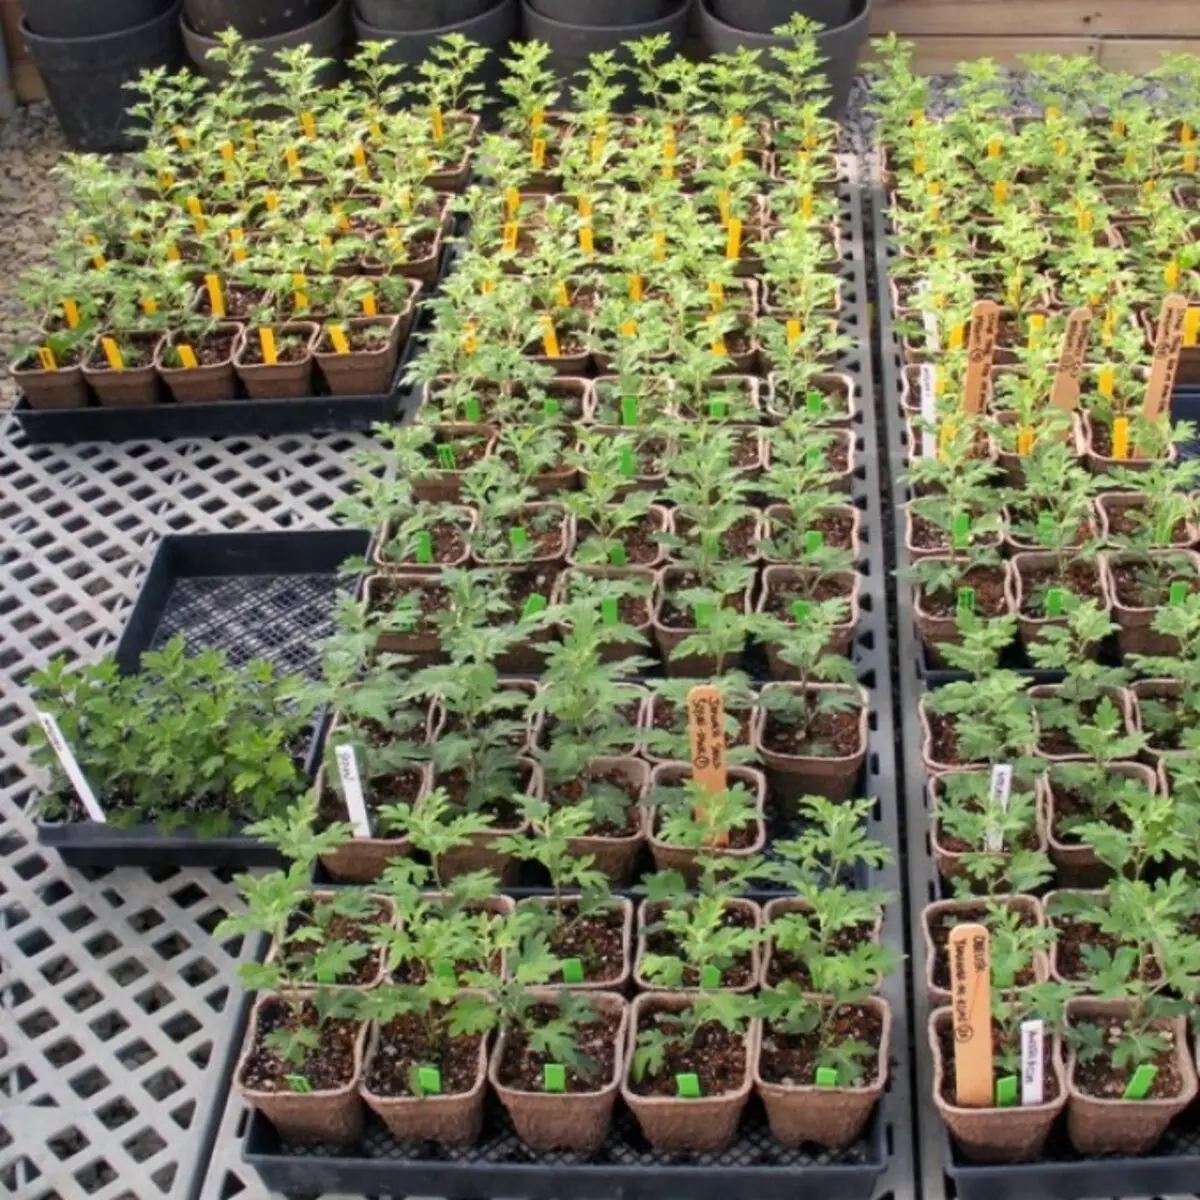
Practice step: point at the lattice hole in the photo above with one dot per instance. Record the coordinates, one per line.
(67, 1144)
(64, 1052)
(17, 1176)
(84, 997)
(108, 1025)
(163, 1083)
(154, 998)
(37, 1023)
(90, 1082)
(116, 1113)
(144, 1144)
(95, 1176)
(181, 1027)
(136, 1054)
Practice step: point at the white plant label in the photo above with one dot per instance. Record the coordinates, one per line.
(928, 411)
(352, 789)
(1033, 1034)
(66, 756)
(1001, 792)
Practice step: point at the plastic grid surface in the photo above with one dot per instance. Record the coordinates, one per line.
(118, 1005)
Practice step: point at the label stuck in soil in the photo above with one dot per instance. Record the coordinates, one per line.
(971, 1005)
(1006, 1091)
(1054, 602)
(706, 742)
(966, 600)
(1033, 1036)
(1168, 343)
(929, 411)
(352, 790)
(710, 976)
(687, 1086)
(430, 1081)
(608, 610)
(1000, 792)
(825, 1077)
(1139, 1086)
(981, 349)
(1177, 593)
(572, 970)
(66, 757)
(554, 1077)
(1065, 392)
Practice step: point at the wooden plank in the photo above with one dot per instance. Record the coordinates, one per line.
(1139, 55)
(938, 55)
(27, 83)
(10, 14)
(1081, 18)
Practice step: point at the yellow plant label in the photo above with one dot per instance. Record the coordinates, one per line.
(716, 295)
(271, 200)
(1084, 220)
(628, 328)
(299, 296)
(292, 159)
(1171, 274)
(733, 239)
(511, 233)
(1060, 147)
(561, 296)
(337, 335)
(166, 180)
(550, 337)
(187, 356)
(1187, 136)
(538, 153)
(971, 1005)
(1024, 440)
(1105, 381)
(1037, 323)
(946, 435)
(112, 352)
(723, 205)
(587, 240)
(585, 207)
(172, 252)
(437, 123)
(487, 287)
(660, 245)
(668, 153)
(182, 140)
(227, 151)
(270, 353)
(806, 204)
(71, 313)
(1052, 113)
(1000, 191)
(149, 305)
(537, 119)
(1118, 127)
(635, 288)
(512, 201)
(369, 306)
(343, 222)
(918, 165)
(1191, 328)
(596, 147)
(793, 331)
(309, 124)
(216, 297)
(939, 382)
(377, 131)
(718, 348)
(1120, 438)
(956, 337)
(470, 342)
(360, 160)
(706, 743)
(993, 146)
(46, 359)
(917, 117)
(933, 189)
(1189, 163)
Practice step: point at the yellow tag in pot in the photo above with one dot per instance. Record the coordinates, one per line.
(216, 297)
(308, 124)
(587, 240)
(337, 335)
(369, 307)
(538, 153)
(561, 296)
(266, 339)
(149, 305)
(46, 358)
(1120, 438)
(549, 337)
(113, 354)
(71, 312)
(733, 242)
(511, 233)
(512, 201)
(187, 356)
(438, 123)
(793, 331)
(635, 288)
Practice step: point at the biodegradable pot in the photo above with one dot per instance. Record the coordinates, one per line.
(661, 519)
(212, 381)
(1049, 903)
(1101, 464)
(382, 539)
(85, 74)
(133, 387)
(1075, 863)
(1109, 505)
(616, 857)
(620, 981)
(667, 637)
(575, 1121)
(454, 177)
(841, 634)
(1045, 691)
(618, 651)
(829, 383)
(782, 512)
(838, 47)
(1031, 627)
(403, 16)
(733, 904)
(708, 1123)
(361, 372)
(334, 1116)
(995, 1135)
(556, 556)
(1127, 1127)
(973, 910)
(281, 380)
(1135, 632)
(943, 631)
(453, 1120)
(445, 486)
(668, 857)
(780, 907)
(832, 1117)
(325, 33)
(423, 647)
(380, 954)
(794, 775)
(63, 388)
(1154, 689)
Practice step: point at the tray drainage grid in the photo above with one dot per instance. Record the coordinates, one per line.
(230, 1178)
(117, 1006)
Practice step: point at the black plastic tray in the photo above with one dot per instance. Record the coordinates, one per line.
(1061, 1173)
(254, 595)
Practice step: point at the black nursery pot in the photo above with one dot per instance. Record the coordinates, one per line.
(89, 18)
(85, 77)
(251, 18)
(763, 16)
(408, 16)
(599, 13)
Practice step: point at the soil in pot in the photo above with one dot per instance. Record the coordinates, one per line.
(716, 1056)
(670, 718)
(988, 584)
(1082, 578)
(1054, 741)
(829, 735)
(137, 382)
(447, 542)
(642, 548)
(939, 924)
(374, 347)
(328, 1067)
(838, 526)
(1073, 935)
(63, 387)
(738, 543)
(213, 378)
(364, 859)
(739, 974)
(352, 931)
(791, 1059)
(597, 940)
(405, 1043)
(570, 792)
(948, 1084)
(523, 1068)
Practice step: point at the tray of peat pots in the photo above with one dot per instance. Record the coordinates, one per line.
(212, 376)
(226, 619)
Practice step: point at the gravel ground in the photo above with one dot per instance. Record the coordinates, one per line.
(30, 203)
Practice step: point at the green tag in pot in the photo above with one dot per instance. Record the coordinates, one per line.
(430, 1081)
(966, 599)
(424, 547)
(1139, 1086)
(533, 605)
(518, 538)
(628, 462)
(446, 457)
(1006, 1091)
(554, 1077)
(813, 457)
(1177, 593)
(471, 410)
(572, 970)
(608, 610)
(814, 540)
(1045, 528)
(960, 531)
(800, 610)
(298, 1084)
(814, 402)
(716, 409)
(629, 410)
(551, 408)
(688, 1085)
(617, 555)
(702, 614)
(1054, 602)
(710, 976)
(444, 969)
(826, 1077)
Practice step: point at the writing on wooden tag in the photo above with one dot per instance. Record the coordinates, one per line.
(706, 740)
(352, 790)
(70, 765)
(971, 1004)
(1065, 392)
(1168, 342)
(981, 349)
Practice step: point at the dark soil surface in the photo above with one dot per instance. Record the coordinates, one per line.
(597, 940)
(446, 543)
(1102, 442)
(638, 540)
(1059, 741)
(666, 716)
(1138, 588)
(1027, 841)
(739, 973)
(213, 350)
(522, 1067)
(504, 812)
(1123, 523)
(1100, 1078)
(1070, 806)
(830, 735)
(400, 787)
(785, 592)
(405, 1043)
(328, 1067)
(948, 1085)
(521, 583)
(1169, 737)
(289, 348)
(927, 535)
(1074, 935)
(791, 1059)
(943, 738)
(785, 965)
(432, 598)
(836, 528)
(468, 448)
(626, 715)
(354, 932)
(988, 583)
(739, 541)
(717, 1056)
(363, 339)
(239, 301)
(1084, 531)
(940, 926)
(739, 839)
(137, 350)
(575, 790)
(670, 613)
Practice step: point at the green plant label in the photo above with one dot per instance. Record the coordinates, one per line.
(1054, 602)
(960, 531)
(551, 408)
(826, 1077)
(716, 410)
(471, 410)
(814, 402)
(1139, 1086)
(298, 1083)
(628, 462)
(800, 610)
(617, 555)
(712, 543)
(687, 1085)
(1045, 528)
(814, 539)
(1006, 1091)
(1177, 593)
(966, 599)
(702, 615)
(710, 976)
(572, 970)
(533, 605)
(446, 457)
(444, 969)
(629, 410)
(554, 1077)
(608, 610)
(430, 1079)
(424, 548)
(813, 457)
(518, 538)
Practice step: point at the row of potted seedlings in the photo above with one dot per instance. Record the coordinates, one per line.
(1049, 538)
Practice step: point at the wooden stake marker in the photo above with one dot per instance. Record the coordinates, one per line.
(971, 1004)
(1168, 343)
(1065, 392)
(706, 739)
(981, 349)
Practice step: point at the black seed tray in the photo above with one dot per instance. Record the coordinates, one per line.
(1061, 1173)
(254, 595)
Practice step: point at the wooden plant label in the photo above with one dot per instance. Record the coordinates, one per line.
(981, 349)
(971, 1004)
(1033, 1036)
(66, 757)
(352, 789)
(1065, 392)
(706, 740)
(1168, 342)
